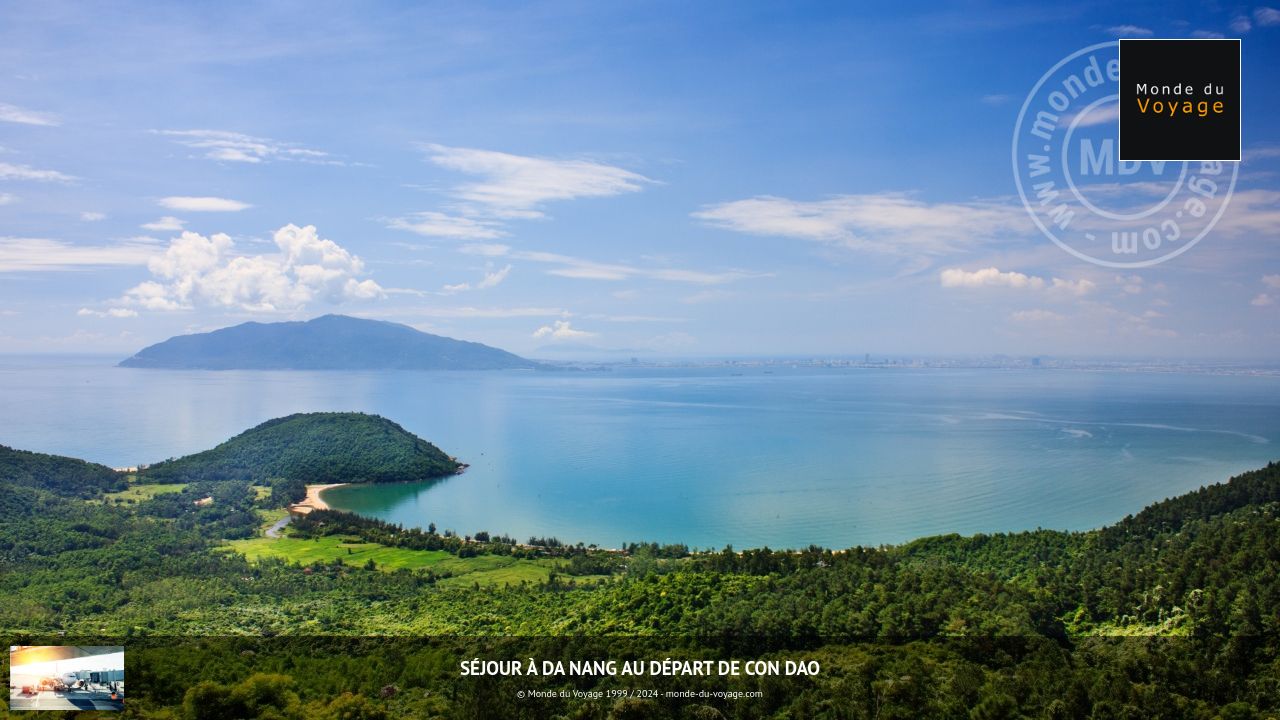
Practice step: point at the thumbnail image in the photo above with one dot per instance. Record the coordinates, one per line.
(66, 677)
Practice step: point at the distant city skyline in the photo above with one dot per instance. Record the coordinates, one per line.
(566, 179)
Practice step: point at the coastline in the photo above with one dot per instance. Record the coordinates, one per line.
(313, 500)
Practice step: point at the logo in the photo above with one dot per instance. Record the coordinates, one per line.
(1107, 211)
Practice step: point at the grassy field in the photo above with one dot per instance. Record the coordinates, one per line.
(139, 493)
(484, 569)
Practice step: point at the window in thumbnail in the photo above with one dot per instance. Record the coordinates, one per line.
(66, 677)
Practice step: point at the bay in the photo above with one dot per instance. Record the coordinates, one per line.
(704, 456)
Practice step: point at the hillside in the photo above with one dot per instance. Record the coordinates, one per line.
(1170, 613)
(61, 475)
(313, 448)
(330, 342)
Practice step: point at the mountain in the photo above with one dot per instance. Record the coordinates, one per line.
(327, 447)
(330, 342)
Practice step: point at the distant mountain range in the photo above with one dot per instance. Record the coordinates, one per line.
(330, 342)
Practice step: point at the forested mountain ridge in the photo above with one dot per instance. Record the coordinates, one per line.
(329, 342)
(305, 448)
(63, 475)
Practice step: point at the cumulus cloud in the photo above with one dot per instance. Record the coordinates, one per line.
(238, 147)
(199, 270)
(24, 172)
(1240, 24)
(92, 216)
(1262, 300)
(879, 222)
(202, 204)
(994, 277)
(15, 114)
(561, 330)
(168, 223)
(43, 255)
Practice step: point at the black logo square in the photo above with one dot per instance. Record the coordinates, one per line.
(1180, 100)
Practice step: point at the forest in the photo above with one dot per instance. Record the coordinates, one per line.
(306, 448)
(1170, 613)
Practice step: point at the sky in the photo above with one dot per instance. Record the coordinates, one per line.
(573, 179)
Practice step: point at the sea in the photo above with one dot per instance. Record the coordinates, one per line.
(752, 456)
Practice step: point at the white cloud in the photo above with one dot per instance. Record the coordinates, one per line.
(996, 99)
(988, 277)
(1036, 317)
(491, 278)
(237, 147)
(1262, 152)
(1251, 211)
(1207, 35)
(1130, 31)
(579, 268)
(880, 222)
(39, 254)
(1271, 281)
(203, 204)
(561, 330)
(1105, 114)
(1131, 284)
(115, 312)
(994, 277)
(165, 224)
(1240, 24)
(485, 249)
(92, 216)
(1072, 287)
(6, 199)
(1266, 16)
(515, 186)
(24, 172)
(15, 114)
(437, 224)
(198, 270)
(1262, 300)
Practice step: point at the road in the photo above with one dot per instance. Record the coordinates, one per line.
(276, 527)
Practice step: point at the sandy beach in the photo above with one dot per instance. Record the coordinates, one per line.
(313, 500)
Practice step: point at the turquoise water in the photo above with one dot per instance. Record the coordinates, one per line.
(705, 456)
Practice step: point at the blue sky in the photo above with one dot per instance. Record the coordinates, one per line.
(563, 178)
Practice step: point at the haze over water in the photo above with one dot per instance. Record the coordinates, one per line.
(704, 456)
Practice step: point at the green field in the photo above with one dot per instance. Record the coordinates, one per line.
(483, 569)
(139, 493)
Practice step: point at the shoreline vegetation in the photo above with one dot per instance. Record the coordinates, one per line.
(1173, 612)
